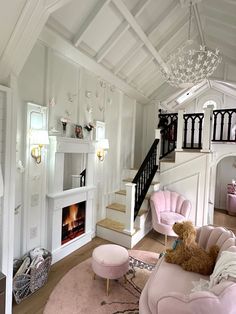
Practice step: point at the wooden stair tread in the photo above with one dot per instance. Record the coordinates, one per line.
(114, 225)
(117, 206)
(121, 208)
(130, 180)
(121, 192)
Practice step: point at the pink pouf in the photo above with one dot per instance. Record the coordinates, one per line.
(110, 261)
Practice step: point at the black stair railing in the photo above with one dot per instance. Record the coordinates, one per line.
(144, 176)
(166, 118)
(168, 138)
(193, 123)
(224, 125)
(83, 178)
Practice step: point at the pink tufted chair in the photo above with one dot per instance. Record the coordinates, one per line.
(167, 208)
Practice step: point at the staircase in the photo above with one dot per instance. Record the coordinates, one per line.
(113, 227)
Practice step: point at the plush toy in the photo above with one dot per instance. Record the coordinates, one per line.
(188, 253)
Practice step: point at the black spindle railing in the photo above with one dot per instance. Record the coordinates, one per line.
(168, 138)
(166, 119)
(224, 125)
(193, 130)
(144, 176)
(83, 178)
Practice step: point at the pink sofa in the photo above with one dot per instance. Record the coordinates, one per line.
(168, 290)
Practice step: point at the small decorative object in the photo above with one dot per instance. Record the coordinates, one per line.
(89, 126)
(64, 122)
(78, 131)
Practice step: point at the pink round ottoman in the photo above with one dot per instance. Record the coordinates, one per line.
(110, 261)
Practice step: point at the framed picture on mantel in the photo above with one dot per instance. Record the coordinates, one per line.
(99, 133)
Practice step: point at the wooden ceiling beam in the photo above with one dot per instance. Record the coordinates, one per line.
(139, 31)
(98, 8)
(121, 29)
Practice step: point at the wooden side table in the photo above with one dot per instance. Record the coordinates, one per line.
(231, 204)
(2, 293)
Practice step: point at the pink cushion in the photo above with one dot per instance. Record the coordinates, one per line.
(110, 261)
(169, 218)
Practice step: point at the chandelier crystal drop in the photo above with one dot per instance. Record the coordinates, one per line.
(191, 65)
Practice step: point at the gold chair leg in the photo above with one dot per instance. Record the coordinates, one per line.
(165, 241)
(107, 286)
(125, 279)
(94, 276)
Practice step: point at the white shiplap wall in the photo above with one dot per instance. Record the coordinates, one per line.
(2, 128)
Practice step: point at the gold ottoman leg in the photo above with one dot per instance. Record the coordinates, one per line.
(107, 286)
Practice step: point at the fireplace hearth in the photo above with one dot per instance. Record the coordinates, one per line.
(73, 221)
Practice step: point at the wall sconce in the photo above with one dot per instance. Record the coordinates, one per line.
(103, 146)
(39, 138)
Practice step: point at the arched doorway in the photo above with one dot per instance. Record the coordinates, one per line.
(225, 172)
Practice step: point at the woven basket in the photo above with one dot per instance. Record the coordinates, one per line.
(26, 284)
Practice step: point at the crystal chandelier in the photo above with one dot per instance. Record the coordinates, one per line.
(189, 66)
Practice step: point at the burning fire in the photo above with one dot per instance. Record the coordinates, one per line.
(71, 218)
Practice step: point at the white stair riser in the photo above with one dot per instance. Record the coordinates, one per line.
(115, 215)
(121, 238)
(139, 221)
(114, 236)
(119, 198)
(141, 234)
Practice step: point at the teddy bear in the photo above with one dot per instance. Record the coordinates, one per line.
(188, 254)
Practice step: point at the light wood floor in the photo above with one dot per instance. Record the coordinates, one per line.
(152, 242)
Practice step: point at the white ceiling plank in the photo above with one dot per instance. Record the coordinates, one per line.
(139, 68)
(80, 35)
(58, 27)
(124, 26)
(127, 57)
(110, 43)
(145, 77)
(56, 42)
(53, 5)
(230, 1)
(139, 31)
(164, 15)
(199, 24)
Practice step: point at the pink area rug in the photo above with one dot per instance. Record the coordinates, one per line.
(77, 292)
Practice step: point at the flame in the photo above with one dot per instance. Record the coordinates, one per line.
(71, 217)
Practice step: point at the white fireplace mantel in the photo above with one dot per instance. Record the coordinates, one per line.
(57, 199)
(71, 145)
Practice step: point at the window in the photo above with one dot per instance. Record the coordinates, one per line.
(209, 103)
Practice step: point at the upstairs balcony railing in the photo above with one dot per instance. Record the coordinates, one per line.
(193, 130)
(224, 125)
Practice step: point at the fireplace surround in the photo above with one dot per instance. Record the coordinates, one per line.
(59, 201)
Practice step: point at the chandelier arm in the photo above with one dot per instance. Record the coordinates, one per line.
(190, 19)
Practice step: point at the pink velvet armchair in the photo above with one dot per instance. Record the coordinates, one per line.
(167, 208)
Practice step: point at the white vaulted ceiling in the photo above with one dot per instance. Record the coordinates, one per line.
(128, 40)
(133, 38)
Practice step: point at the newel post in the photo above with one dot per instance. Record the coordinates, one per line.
(180, 129)
(207, 130)
(130, 203)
